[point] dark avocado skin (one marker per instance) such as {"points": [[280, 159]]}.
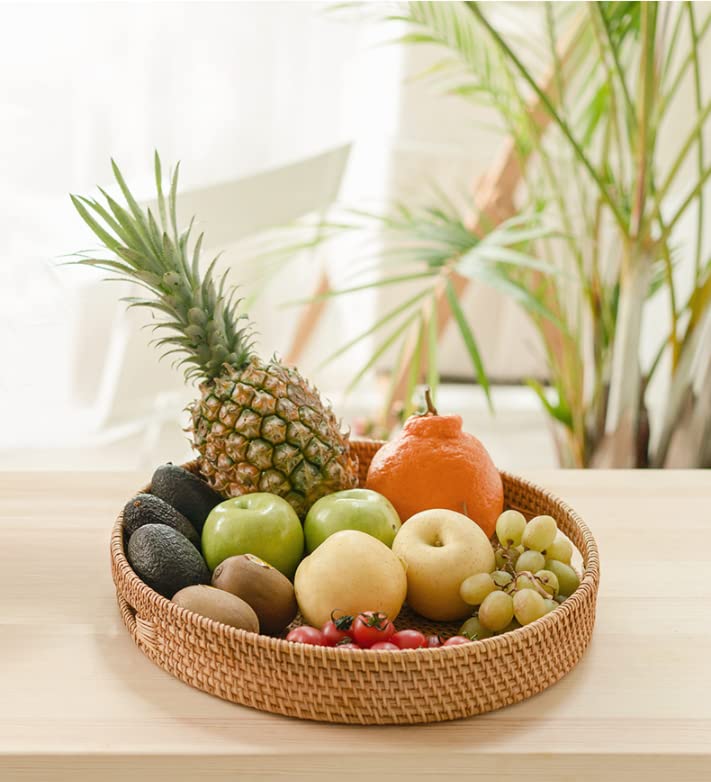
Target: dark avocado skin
{"points": [[148, 509], [165, 559], [185, 492]]}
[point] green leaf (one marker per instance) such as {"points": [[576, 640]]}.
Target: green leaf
{"points": [[364, 287], [140, 224], [414, 371], [432, 337], [131, 235], [105, 236], [375, 327], [159, 189], [469, 341], [381, 350], [497, 278], [552, 112], [559, 411], [172, 202], [483, 253]]}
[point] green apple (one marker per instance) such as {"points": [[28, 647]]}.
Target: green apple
{"points": [[358, 509], [262, 524]]}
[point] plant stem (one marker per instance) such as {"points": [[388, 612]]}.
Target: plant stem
{"points": [[671, 48], [645, 144], [695, 135], [674, 312], [545, 100], [687, 201], [629, 106], [559, 72], [671, 92], [699, 136]]}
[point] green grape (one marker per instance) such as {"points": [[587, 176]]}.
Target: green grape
{"points": [[506, 557], [549, 581], [496, 611], [501, 578], [509, 528], [561, 549], [514, 554], [550, 605], [568, 580], [474, 629], [560, 598], [531, 560], [475, 588], [514, 624], [528, 606], [540, 533], [525, 582]]}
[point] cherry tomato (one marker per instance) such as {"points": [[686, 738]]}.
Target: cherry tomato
{"points": [[307, 635], [385, 646], [348, 643], [455, 640], [433, 641], [370, 627], [333, 634], [409, 639]]}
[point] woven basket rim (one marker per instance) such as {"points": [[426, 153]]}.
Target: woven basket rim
{"points": [[136, 588]]}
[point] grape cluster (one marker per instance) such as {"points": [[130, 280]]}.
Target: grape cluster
{"points": [[533, 576]]}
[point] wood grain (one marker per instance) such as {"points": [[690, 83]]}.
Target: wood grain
{"points": [[79, 701]]}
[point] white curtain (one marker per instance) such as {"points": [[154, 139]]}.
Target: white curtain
{"points": [[227, 88]]}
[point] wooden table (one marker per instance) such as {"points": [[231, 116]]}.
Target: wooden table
{"points": [[79, 701]]}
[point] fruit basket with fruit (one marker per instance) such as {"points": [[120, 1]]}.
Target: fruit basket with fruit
{"points": [[295, 571]]}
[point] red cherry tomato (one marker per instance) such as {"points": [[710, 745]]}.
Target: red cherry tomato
{"points": [[433, 641], [409, 639], [455, 640], [371, 627], [385, 646], [332, 634], [307, 635], [347, 643]]}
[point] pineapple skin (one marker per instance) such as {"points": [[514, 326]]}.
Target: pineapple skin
{"points": [[264, 428]]}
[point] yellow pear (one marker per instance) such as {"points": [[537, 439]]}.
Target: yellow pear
{"points": [[348, 573], [441, 549]]}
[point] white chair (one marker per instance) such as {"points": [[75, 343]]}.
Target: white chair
{"points": [[136, 395]]}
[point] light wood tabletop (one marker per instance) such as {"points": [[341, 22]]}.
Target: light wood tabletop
{"points": [[79, 701]]}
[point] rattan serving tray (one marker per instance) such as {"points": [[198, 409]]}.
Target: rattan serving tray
{"points": [[359, 685]]}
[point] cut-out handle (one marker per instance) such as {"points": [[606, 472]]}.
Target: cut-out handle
{"points": [[143, 630]]}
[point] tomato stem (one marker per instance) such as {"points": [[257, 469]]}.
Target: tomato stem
{"points": [[342, 623], [377, 619]]}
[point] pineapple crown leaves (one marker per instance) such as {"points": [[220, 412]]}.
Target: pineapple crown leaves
{"points": [[201, 313]]}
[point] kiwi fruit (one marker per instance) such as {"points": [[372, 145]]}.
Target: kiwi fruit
{"points": [[165, 559], [269, 592], [218, 605], [147, 509], [185, 492]]}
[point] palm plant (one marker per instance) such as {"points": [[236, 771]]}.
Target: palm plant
{"points": [[579, 219]]}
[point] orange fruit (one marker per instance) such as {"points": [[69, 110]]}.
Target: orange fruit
{"points": [[433, 463]]}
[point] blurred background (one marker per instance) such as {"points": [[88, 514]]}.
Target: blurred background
{"points": [[319, 144]]}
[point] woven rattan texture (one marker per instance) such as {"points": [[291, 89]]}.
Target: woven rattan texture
{"points": [[363, 686]]}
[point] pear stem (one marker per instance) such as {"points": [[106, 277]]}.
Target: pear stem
{"points": [[431, 409]]}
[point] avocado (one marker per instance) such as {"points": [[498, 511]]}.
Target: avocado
{"points": [[269, 592], [165, 559], [218, 605], [147, 509], [185, 492]]}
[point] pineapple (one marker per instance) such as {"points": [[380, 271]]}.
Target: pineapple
{"points": [[258, 425]]}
